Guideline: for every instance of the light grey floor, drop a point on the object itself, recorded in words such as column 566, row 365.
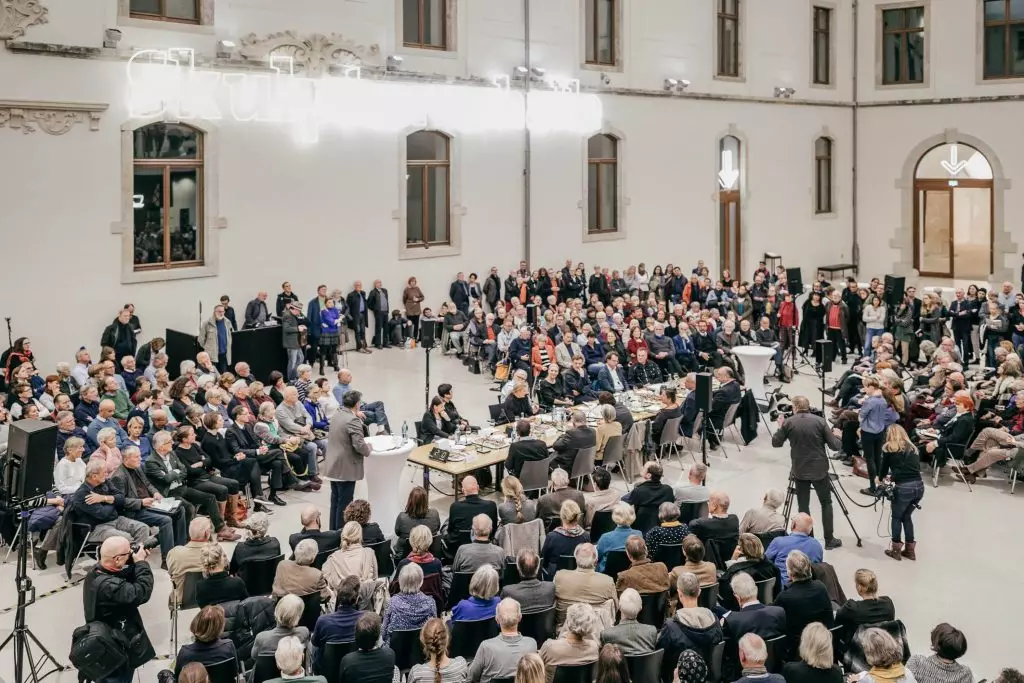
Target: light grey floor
column 970, row 546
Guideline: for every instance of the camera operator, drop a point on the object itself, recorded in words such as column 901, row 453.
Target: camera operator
column 902, row 462
column 113, row 591
column 807, row 435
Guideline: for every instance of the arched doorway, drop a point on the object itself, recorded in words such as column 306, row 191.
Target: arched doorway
column 953, row 213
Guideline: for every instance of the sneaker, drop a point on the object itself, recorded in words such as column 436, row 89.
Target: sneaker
column 833, row 543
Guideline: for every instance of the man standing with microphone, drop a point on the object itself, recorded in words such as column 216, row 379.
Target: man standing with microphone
column 807, row 435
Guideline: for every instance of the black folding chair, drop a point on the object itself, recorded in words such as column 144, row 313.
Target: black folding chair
column 510, row 576
column 259, row 574
column 708, row 596
column 223, row 672
column 652, row 610
column 776, row 654
column 539, row 625
column 691, row 511
column 312, row 609
column 468, row 635
column 717, row 655
column 385, row 562
column 671, row 555
column 188, row 601
column 600, row 524
column 330, row 659
column 552, row 523
column 264, row 669
column 646, row 518
column 579, row 673
column 765, row 590
column 567, row 562
column 321, row 558
column 719, row 550
column 616, row 561
column 407, row 648
column 460, row 588
column 645, row 668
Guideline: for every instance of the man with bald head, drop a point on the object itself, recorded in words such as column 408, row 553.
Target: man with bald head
column 718, row 526
column 371, row 412
column 105, row 418
column 799, row 538
column 460, row 518
column 256, row 313
column 325, row 540
column 112, row 593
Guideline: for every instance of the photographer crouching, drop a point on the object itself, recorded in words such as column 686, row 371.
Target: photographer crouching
column 807, row 435
column 902, row 462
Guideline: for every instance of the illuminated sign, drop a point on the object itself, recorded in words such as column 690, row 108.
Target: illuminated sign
column 728, row 176
column 954, row 165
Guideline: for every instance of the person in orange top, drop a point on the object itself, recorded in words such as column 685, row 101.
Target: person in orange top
column 543, row 354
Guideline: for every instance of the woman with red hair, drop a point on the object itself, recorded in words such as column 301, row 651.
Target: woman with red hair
column 956, row 434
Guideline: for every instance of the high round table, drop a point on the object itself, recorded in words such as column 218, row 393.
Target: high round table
column 386, row 490
column 755, row 360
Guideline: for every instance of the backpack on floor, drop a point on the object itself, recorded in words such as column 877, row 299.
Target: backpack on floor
column 96, row 651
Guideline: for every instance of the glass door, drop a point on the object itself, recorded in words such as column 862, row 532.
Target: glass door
column 731, row 233
column 933, row 225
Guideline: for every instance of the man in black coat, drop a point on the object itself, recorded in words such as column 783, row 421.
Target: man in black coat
column 767, row 621
column 691, row 628
column 525, row 449
column 459, row 293
column 644, row 371
column 728, row 394
column 112, row 593
column 242, row 439
column 379, row 303
column 808, row 434
column 120, row 336
column 719, row 527
column 462, row 512
column 358, row 310
column 805, row 600
column 256, row 313
column 568, row 445
column 285, row 297
column 313, row 308
column 492, row 288
column 961, row 320
column 598, row 284
column 325, row 540
column 577, row 382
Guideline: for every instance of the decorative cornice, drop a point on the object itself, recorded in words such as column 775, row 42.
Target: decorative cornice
column 55, row 118
column 316, row 53
column 18, row 15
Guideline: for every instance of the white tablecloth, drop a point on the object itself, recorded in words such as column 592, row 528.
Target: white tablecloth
column 755, row 360
column 387, row 490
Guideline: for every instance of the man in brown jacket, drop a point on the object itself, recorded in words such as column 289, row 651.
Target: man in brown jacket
column 643, row 575
column 346, row 449
column 298, row 577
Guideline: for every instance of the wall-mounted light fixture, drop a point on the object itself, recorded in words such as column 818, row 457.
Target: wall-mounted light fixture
column 677, row 85
column 394, row 62
column 225, row 48
column 784, row 92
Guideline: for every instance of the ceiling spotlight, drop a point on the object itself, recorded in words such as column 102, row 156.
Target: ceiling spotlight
column 395, row 62
column 225, row 48
column 784, row 92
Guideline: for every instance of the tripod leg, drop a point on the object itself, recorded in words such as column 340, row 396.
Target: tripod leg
column 846, row 511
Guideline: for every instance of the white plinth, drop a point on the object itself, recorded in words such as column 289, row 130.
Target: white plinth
column 755, row 360
column 385, row 488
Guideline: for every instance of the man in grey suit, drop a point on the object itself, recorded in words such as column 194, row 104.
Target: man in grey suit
column 632, row 637
column 346, row 449
column 531, row 594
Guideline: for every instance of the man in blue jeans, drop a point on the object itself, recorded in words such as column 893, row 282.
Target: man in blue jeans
column 372, row 413
column 346, row 449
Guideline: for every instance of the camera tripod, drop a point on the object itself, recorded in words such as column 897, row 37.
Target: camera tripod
column 791, row 494
column 793, row 352
column 22, row 637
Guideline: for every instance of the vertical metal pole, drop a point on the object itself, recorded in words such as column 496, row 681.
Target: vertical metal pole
column 527, row 142
column 855, row 251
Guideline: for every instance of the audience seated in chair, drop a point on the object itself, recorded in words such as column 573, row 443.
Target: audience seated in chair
column 800, row 539
column 767, row 621
column 948, row 645
column 643, row 575
column 290, row 658
column 767, row 517
column 817, row 662
column 603, row 498
column 187, row 558
column 287, row 615
column 516, row 507
column 217, row 585
column 748, row 558
column 498, row 657
column 524, row 449
column 462, row 512
column 338, row 626
column 359, row 510
column 870, row 609
column 479, row 551
column 583, row 584
column 371, row 662
column 326, row 541
column 670, row 531
column 417, row 512
column 692, row 627
column 564, row 539
column 550, row 503
column 719, row 525
column 578, row 643
column 623, row 516
column 209, row 647
column 532, row 594
column 805, row 599
column 629, row 635
column 259, row 546
column 297, row 575
column 753, row 655
column 884, row 654
column 649, row 494
column 409, row 608
column 483, row 596
column 351, row 559
column 694, row 490
column 434, row 638
column 693, row 554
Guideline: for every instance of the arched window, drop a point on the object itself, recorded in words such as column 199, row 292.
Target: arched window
column 823, row 175
column 602, row 184
column 168, row 196
column 428, row 188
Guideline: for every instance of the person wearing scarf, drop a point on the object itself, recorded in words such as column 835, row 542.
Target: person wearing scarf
column 885, row 657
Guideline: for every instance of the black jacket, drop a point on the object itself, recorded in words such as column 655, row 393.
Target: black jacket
column 663, row 416
column 648, row 373
column 677, row 637
column 808, row 435
column 216, row 447
column 205, row 653
column 624, row 418
column 801, row 672
column 804, row 602
column 759, row 570
column 263, row 548
column 523, row 451
column 97, row 513
column 568, row 445
column 373, row 301
column 767, row 621
column 727, row 395
column 252, row 313
column 515, row 408
column 458, row 292
column 160, row 477
column 120, row 337
column 460, row 518
column 242, row 440
column 429, row 429
column 220, row 587
column 352, row 303
column 368, row 666
column 190, row 456
column 548, row 392
column 114, row 598
column 955, row 435
column 598, row 284
column 325, row 540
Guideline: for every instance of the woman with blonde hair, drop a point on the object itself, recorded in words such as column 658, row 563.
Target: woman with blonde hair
column 816, row 664
column 748, row 558
column 516, row 508
column 135, row 429
column 530, row 669
column 901, row 461
column 217, row 585
column 352, row 559
column 563, row 539
column 439, row 668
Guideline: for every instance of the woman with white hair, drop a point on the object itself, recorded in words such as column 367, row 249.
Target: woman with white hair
column 107, row 452
column 259, row 546
column 290, row 657
column 817, row 664
column 578, row 644
column 884, row 654
column 287, row 615
column 623, row 516
column 352, row 559
column 483, row 596
column 409, row 608
column 767, row 517
column 606, row 429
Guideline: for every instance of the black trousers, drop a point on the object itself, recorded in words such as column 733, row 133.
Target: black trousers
column 246, row 472
column 669, row 365
column 962, row 339
column 838, row 343
column 824, row 491
column 204, row 503
column 853, row 336
column 272, row 463
column 380, row 323
column 220, row 487
column 872, row 444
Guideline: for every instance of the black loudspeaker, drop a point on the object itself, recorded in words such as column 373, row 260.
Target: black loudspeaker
column 430, row 332
column 704, row 391
column 794, row 282
column 30, row 453
column 894, row 289
column 825, row 353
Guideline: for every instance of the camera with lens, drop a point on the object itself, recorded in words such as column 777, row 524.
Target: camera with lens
column 886, row 491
